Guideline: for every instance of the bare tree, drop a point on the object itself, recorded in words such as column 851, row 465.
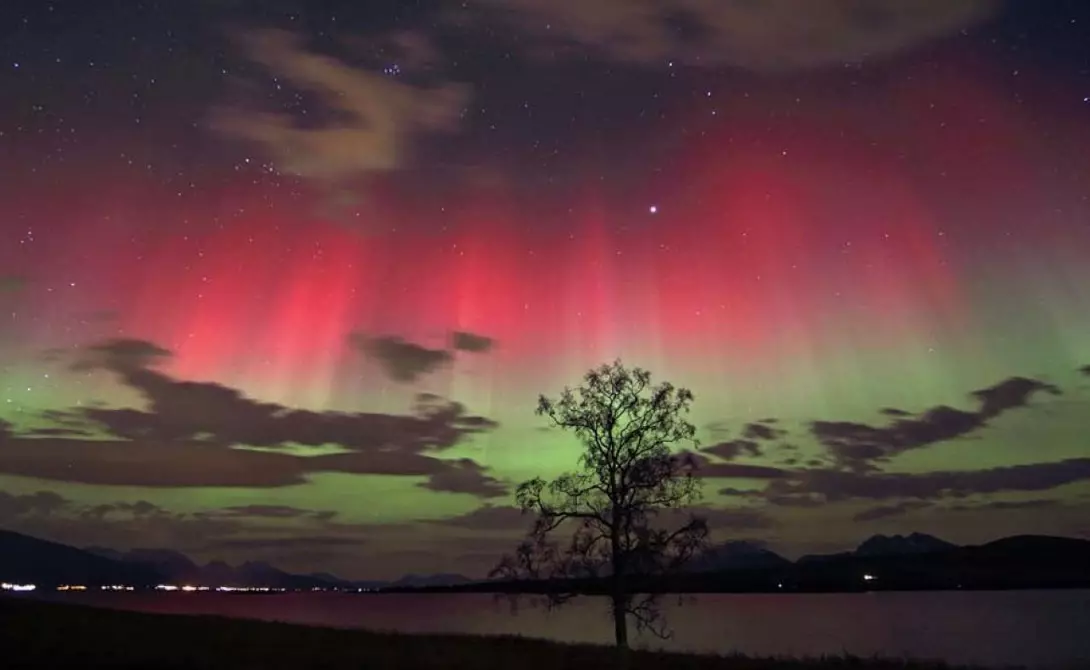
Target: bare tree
column 629, row 473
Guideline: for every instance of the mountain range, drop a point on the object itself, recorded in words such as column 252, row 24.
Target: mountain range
column 915, row 561
column 29, row 560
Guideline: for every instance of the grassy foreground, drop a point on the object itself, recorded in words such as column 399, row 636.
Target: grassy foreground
column 47, row 635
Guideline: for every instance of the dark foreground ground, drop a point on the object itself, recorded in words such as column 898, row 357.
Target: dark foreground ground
column 46, row 635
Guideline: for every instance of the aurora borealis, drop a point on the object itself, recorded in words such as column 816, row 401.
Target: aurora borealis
column 285, row 283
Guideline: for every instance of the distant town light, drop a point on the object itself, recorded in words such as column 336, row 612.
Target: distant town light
column 4, row 586
column 869, row 578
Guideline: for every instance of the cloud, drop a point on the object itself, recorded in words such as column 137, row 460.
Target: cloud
column 830, row 486
column 274, row 512
column 761, row 430
column 893, row 411
column 1006, row 505
column 732, row 449
column 466, row 476
column 42, row 503
column 377, row 115
column 197, row 434
column 118, row 525
column 859, row 446
column 286, row 543
column 401, row 361
column 722, row 518
column 122, row 355
column 734, row 518
column 471, row 343
column 490, row 517
column 709, row 469
column 767, row 36
column 889, row 511
column 1010, row 394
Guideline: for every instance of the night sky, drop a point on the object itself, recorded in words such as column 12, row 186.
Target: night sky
column 282, row 280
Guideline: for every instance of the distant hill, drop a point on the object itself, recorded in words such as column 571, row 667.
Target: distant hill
column 177, row 568
column 28, row 560
column 903, row 545
column 737, row 555
column 442, row 579
column 915, row 562
column 912, row 562
column 887, row 545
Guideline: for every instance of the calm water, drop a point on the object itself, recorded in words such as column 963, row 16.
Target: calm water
column 1042, row 629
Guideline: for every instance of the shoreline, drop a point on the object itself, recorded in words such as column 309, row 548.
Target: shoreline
column 38, row 633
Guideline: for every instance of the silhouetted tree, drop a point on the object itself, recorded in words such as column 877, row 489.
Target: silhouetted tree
column 629, row 472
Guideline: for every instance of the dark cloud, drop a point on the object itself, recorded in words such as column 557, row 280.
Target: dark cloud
column 121, row 355
column 734, row 518
column 196, row 434
column 770, row 35
column 1010, row 394
column 1006, row 505
column 794, row 499
column 709, row 469
column 889, row 511
column 718, row 427
column 42, row 503
column 471, row 343
column 732, row 449
column 466, row 476
column 148, row 464
column 893, row 411
column 859, row 446
column 490, row 517
column 402, row 361
column 274, row 512
column 119, row 525
column 286, row 543
column 838, row 485
column 762, row 431
column 722, row 518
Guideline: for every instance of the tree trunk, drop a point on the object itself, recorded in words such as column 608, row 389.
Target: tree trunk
column 620, row 621
column 620, row 631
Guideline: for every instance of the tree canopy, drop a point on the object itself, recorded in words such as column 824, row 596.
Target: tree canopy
column 629, row 472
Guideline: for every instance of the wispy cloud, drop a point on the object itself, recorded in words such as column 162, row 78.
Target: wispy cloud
column 769, row 35
column 378, row 115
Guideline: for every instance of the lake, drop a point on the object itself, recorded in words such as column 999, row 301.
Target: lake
column 1041, row 629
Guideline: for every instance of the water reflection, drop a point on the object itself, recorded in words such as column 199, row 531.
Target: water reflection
column 1035, row 628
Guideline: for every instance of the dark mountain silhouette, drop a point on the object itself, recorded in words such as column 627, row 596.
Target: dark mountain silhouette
column 887, row 545
column 920, row 563
column 168, row 564
column 902, row 545
column 422, row 581
column 28, row 560
column 177, row 568
column 737, row 555
column 913, row 562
